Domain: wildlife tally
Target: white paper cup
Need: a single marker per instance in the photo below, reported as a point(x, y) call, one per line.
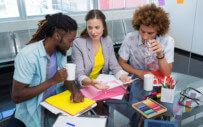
point(148, 82)
point(70, 68)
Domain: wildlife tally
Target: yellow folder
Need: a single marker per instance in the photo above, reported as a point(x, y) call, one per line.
point(62, 102)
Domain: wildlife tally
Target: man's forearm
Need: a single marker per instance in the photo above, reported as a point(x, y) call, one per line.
point(70, 85)
point(164, 67)
point(131, 70)
point(22, 92)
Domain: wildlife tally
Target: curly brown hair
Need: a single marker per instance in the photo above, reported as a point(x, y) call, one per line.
point(152, 16)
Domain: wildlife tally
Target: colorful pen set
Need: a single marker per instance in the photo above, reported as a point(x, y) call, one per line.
point(154, 96)
point(149, 108)
point(170, 84)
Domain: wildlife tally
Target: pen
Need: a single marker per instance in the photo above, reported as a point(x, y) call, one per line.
point(70, 124)
point(130, 81)
point(170, 82)
point(175, 84)
point(161, 83)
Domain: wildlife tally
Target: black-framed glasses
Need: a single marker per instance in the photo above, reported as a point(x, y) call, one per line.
point(184, 96)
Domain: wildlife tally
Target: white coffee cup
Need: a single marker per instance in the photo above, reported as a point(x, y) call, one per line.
point(70, 68)
point(148, 82)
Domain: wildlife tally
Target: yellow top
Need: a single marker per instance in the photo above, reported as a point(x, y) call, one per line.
point(99, 63)
point(62, 102)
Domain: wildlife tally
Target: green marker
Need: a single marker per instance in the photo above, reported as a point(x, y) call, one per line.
point(149, 111)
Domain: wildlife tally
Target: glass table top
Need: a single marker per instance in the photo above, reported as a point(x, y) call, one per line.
point(175, 112)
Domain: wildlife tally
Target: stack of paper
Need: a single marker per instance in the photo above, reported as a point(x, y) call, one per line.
point(64, 121)
point(61, 104)
point(109, 80)
point(97, 95)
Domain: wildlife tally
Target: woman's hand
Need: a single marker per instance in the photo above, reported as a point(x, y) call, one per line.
point(95, 83)
point(98, 85)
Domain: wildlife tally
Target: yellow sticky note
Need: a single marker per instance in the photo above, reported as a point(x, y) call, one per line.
point(187, 109)
point(179, 1)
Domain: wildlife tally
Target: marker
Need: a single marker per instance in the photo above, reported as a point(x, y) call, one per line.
point(175, 84)
point(161, 82)
point(70, 124)
point(165, 80)
point(153, 96)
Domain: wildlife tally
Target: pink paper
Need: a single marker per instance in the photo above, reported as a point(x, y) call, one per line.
point(188, 103)
point(90, 92)
point(135, 3)
point(106, 94)
point(161, 2)
point(175, 109)
point(179, 104)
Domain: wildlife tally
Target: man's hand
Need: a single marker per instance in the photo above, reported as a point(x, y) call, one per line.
point(77, 97)
point(124, 78)
point(155, 47)
point(98, 85)
point(60, 76)
point(141, 75)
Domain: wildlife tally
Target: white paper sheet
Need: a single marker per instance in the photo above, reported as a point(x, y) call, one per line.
point(58, 111)
point(111, 80)
point(65, 121)
point(120, 97)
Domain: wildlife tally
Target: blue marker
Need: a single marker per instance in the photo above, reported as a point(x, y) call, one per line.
point(70, 124)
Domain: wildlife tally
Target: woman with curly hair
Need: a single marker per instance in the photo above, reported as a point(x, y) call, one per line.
point(151, 24)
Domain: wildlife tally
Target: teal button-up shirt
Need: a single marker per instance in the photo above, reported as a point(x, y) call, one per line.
point(30, 68)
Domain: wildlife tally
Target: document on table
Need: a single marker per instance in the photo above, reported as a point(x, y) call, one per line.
point(61, 103)
point(58, 111)
point(65, 121)
point(111, 81)
point(116, 90)
point(97, 95)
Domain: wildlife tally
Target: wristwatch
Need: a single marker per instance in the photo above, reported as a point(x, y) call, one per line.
point(160, 57)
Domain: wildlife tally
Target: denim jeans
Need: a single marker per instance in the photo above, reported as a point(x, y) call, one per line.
point(13, 122)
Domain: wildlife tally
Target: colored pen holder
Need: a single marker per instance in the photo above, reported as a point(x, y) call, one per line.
point(167, 94)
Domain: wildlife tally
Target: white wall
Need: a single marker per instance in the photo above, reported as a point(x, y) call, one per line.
point(197, 45)
point(183, 20)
